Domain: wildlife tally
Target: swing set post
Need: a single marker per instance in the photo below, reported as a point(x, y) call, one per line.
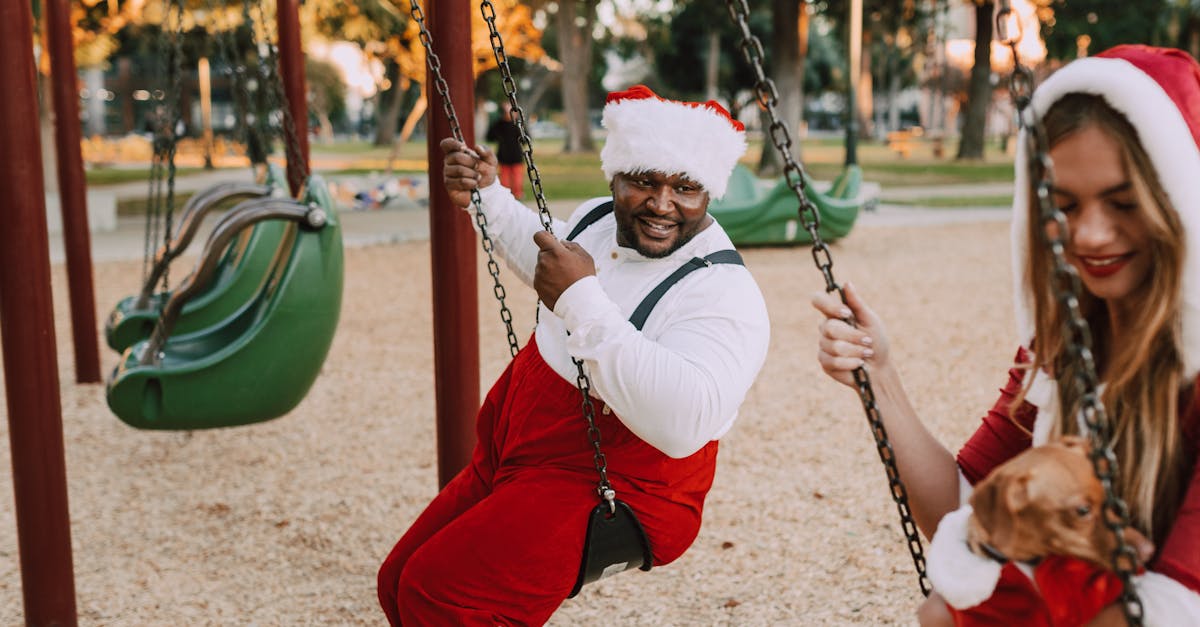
point(72, 191)
point(291, 68)
point(27, 334)
point(452, 249)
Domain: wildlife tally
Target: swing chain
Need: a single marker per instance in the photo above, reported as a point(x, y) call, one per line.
point(176, 116)
point(1066, 287)
point(443, 90)
point(289, 134)
point(518, 114)
point(604, 488)
point(768, 97)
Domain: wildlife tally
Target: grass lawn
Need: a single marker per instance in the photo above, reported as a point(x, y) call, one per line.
point(572, 176)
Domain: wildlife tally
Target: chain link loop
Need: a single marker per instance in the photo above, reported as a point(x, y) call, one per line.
point(768, 97)
point(1066, 286)
point(443, 90)
point(274, 84)
point(604, 488)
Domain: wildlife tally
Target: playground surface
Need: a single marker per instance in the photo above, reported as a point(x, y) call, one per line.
point(284, 523)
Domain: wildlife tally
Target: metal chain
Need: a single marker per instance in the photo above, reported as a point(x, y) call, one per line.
point(235, 73)
point(768, 97)
point(604, 488)
point(1066, 287)
point(443, 90)
point(290, 136)
point(176, 117)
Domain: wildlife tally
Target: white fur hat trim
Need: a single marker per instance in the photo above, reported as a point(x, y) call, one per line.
point(649, 134)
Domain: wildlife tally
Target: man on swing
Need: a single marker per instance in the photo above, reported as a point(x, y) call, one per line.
point(502, 542)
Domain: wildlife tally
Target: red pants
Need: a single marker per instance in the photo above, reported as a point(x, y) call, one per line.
point(512, 176)
point(502, 542)
point(1070, 592)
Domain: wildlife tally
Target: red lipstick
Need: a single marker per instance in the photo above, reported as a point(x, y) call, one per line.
point(1106, 266)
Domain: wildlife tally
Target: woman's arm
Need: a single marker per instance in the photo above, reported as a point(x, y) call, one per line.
point(927, 468)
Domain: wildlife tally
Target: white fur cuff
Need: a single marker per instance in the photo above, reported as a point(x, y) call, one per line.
point(963, 578)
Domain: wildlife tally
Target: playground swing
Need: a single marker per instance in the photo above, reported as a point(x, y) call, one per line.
point(756, 212)
point(615, 540)
point(259, 361)
point(244, 264)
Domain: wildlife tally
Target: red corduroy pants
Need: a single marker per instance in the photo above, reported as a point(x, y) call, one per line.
point(501, 544)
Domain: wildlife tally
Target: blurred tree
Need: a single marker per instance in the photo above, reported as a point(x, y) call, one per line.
point(1105, 24)
point(326, 95)
point(574, 21)
point(979, 89)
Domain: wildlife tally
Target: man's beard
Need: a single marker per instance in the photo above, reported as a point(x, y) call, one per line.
point(628, 234)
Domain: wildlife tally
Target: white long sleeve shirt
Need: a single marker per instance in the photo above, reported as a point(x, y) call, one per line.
point(677, 383)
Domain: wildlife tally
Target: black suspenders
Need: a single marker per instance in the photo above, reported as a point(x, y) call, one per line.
point(695, 263)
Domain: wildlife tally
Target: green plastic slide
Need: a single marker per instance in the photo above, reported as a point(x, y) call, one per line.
point(758, 212)
point(260, 361)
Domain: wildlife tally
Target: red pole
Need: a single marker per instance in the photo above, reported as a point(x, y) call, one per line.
point(291, 68)
point(27, 333)
point(71, 191)
point(452, 248)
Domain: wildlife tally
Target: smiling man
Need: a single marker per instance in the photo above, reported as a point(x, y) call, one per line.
point(646, 289)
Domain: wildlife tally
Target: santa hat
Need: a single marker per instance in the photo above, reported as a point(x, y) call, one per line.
point(647, 133)
point(1158, 91)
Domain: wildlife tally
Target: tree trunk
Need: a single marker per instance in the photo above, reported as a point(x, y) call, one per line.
point(712, 65)
point(866, 91)
point(789, 46)
point(893, 92)
point(979, 93)
point(390, 102)
point(575, 49)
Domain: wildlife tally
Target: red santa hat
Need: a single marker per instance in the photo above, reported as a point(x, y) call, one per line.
point(647, 133)
point(1158, 91)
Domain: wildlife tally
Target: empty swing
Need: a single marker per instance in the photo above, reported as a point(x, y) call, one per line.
point(258, 361)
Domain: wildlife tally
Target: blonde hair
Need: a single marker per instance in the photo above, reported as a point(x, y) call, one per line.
point(1143, 375)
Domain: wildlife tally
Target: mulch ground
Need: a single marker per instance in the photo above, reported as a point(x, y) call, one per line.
point(284, 523)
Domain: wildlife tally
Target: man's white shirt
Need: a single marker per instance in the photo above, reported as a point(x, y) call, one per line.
point(677, 383)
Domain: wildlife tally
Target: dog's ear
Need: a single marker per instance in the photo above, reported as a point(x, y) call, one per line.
point(983, 501)
point(1017, 492)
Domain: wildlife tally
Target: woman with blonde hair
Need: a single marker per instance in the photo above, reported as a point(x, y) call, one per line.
point(1124, 135)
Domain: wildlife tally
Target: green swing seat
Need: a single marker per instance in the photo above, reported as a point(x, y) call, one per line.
point(758, 212)
point(260, 361)
point(238, 276)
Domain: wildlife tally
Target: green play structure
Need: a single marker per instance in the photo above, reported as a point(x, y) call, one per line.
point(238, 276)
point(259, 362)
point(764, 212)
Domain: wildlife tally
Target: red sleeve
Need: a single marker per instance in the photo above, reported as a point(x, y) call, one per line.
point(1179, 558)
point(999, 438)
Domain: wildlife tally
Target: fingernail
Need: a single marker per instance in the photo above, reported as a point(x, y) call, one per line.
point(867, 341)
point(861, 364)
point(868, 353)
point(844, 312)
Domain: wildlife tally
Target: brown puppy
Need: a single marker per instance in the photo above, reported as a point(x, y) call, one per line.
point(1044, 501)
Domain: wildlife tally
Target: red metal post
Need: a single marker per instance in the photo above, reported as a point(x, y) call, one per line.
point(452, 247)
point(72, 191)
point(291, 68)
point(27, 333)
